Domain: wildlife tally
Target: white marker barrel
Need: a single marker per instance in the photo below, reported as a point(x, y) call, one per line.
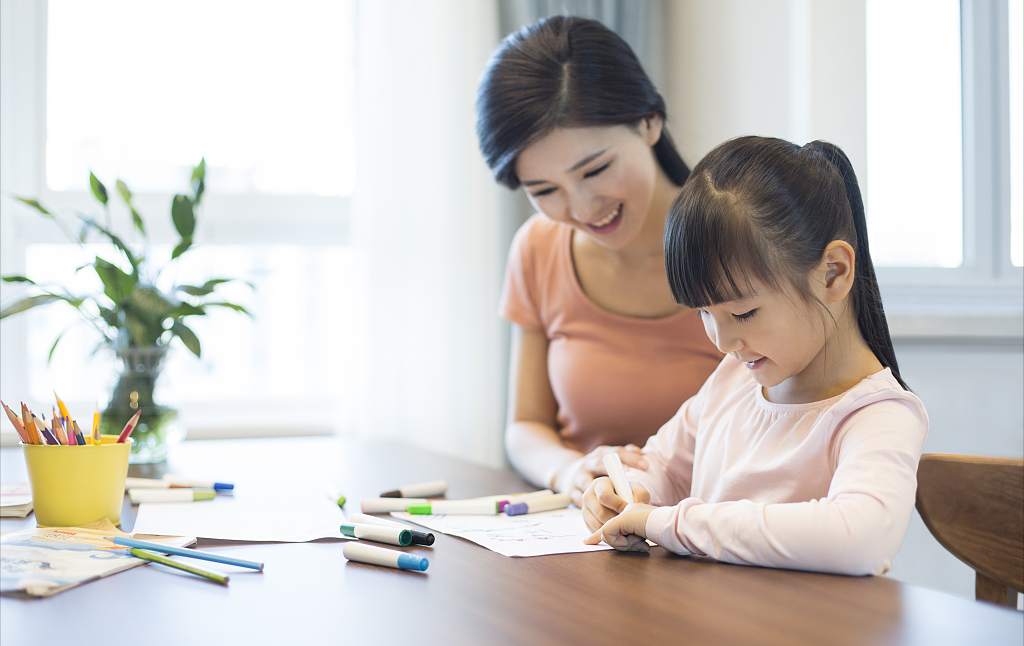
point(175, 481)
point(139, 496)
point(457, 507)
point(363, 553)
point(145, 483)
point(393, 535)
point(613, 465)
point(421, 490)
point(388, 505)
point(557, 501)
point(418, 537)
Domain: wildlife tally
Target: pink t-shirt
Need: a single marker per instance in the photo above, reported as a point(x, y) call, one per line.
point(826, 486)
point(616, 378)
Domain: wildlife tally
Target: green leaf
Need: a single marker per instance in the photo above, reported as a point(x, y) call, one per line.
point(233, 306)
point(122, 189)
point(26, 304)
point(132, 260)
point(150, 300)
point(187, 336)
point(36, 205)
point(18, 279)
point(198, 181)
point(137, 219)
point(49, 357)
point(181, 248)
point(110, 317)
point(187, 309)
point(183, 215)
point(117, 285)
point(98, 189)
point(207, 288)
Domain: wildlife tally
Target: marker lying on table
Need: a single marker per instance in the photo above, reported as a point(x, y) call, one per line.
point(182, 551)
point(139, 496)
point(421, 490)
point(363, 553)
point(523, 497)
point(163, 560)
point(464, 507)
point(393, 535)
point(555, 501)
point(175, 481)
point(388, 505)
point(613, 465)
point(418, 537)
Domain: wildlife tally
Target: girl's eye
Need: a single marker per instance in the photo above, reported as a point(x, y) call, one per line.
point(745, 316)
point(596, 171)
point(543, 192)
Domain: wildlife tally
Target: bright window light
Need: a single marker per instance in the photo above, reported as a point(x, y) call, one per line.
point(914, 134)
point(142, 90)
point(1016, 134)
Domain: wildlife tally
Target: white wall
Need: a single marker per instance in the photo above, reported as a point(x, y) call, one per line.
point(796, 69)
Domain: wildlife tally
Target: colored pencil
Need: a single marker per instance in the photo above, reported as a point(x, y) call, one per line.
point(60, 405)
point(163, 560)
point(30, 426)
point(57, 429)
point(17, 424)
point(129, 427)
point(183, 551)
point(96, 425)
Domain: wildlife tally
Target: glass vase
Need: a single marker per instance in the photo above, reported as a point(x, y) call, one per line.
point(159, 427)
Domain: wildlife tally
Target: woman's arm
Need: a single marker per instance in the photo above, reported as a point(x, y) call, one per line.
point(534, 446)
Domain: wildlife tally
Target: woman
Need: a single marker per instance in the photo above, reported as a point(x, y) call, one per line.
point(601, 353)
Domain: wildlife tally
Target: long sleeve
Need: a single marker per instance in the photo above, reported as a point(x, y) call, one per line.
point(855, 529)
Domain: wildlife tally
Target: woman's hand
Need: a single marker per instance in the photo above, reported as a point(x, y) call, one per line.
point(577, 476)
point(627, 531)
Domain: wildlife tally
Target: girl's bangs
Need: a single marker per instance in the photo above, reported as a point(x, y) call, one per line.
point(712, 252)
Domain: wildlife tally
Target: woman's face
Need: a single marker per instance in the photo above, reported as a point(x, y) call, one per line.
point(599, 180)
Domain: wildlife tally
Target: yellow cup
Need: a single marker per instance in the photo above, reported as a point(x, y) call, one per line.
point(76, 485)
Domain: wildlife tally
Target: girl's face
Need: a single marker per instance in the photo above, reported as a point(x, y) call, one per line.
point(778, 336)
point(600, 180)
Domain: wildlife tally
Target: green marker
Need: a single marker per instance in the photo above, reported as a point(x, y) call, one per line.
point(170, 495)
point(393, 535)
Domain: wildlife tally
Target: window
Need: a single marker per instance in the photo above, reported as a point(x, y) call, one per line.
point(262, 90)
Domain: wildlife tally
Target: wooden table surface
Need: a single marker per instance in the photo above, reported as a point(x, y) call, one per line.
point(309, 593)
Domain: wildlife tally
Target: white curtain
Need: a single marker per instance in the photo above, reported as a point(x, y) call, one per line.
point(426, 216)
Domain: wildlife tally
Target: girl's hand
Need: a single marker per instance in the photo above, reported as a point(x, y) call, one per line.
point(581, 473)
point(601, 503)
point(627, 531)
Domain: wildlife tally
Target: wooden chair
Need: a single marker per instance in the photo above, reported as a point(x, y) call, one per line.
point(974, 507)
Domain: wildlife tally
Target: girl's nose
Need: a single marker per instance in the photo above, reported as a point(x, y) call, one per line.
point(581, 206)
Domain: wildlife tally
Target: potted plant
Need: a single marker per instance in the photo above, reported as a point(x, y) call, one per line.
point(136, 319)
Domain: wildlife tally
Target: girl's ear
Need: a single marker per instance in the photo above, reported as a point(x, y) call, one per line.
point(838, 264)
point(650, 128)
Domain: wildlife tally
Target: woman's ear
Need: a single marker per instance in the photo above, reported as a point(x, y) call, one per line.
point(650, 128)
point(838, 264)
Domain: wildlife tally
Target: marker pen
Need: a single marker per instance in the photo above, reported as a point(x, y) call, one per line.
point(175, 481)
point(465, 507)
point(145, 483)
point(613, 465)
point(555, 501)
point(388, 505)
point(421, 490)
point(363, 553)
point(394, 535)
point(523, 497)
point(418, 537)
point(169, 495)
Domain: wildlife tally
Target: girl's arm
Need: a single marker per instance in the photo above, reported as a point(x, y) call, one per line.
point(855, 529)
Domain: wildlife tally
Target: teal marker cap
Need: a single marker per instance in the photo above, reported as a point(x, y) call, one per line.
point(348, 529)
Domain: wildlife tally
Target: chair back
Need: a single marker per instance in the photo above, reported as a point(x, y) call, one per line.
point(974, 507)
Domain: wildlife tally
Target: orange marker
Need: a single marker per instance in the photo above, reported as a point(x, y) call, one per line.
point(129, 427)
point(17, 424)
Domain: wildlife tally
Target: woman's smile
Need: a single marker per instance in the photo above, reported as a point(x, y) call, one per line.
point(607, 224)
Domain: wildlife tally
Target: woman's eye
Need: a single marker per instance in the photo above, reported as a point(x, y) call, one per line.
point(745, 316)
point(596, 171)
point(542, 193)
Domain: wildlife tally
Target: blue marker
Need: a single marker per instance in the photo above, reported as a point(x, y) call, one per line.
point(363, 553)
point(175, 481)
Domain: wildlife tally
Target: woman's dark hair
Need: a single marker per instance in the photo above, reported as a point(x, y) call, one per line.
point(766, 209)
point(564, 72)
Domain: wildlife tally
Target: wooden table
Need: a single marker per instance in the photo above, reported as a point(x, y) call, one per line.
point(309, 593)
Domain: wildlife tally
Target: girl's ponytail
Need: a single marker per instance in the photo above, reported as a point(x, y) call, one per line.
point(867, 300)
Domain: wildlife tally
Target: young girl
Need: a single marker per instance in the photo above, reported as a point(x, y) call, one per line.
point(801, 449)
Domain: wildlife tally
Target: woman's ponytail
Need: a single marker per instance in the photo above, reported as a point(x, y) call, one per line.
point(867, 300)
